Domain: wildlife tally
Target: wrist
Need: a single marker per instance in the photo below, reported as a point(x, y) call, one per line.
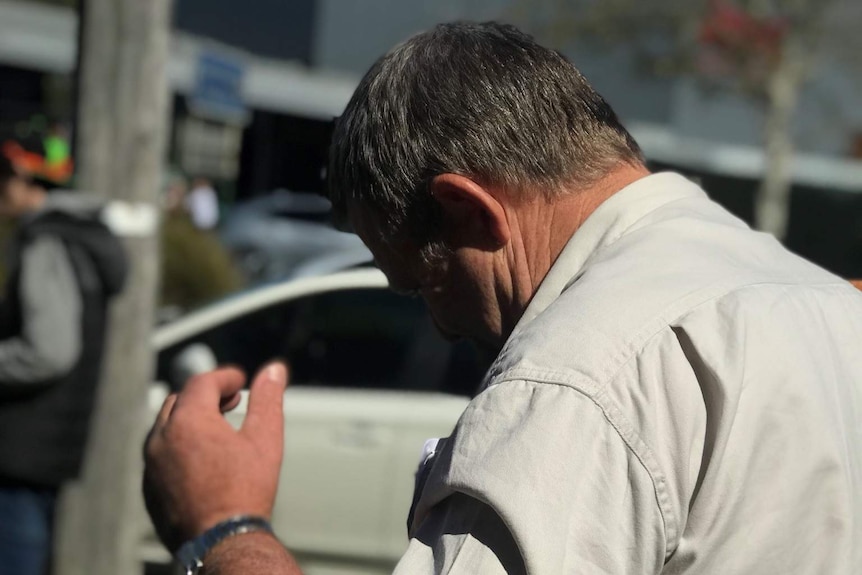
point(192, 553)
point(257, 552)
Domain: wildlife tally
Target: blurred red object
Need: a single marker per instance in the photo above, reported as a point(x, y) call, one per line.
point(736, 43)
point(730, 27)
point(34, 165)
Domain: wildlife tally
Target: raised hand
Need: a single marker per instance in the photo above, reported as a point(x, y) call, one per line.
point(200, 470)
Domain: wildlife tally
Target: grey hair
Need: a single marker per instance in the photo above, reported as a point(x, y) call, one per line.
point(480, 100)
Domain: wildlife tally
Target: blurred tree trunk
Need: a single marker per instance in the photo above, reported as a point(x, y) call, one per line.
point(785, 82)
point(121, 137)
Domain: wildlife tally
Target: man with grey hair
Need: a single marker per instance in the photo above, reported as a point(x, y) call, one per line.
point(673, 392)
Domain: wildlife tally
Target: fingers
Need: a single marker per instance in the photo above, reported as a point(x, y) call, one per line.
point(264, 420)
point(165, 411)
point(230, 403)
point(208, 391)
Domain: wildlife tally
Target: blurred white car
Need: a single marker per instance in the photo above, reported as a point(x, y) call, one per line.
point(371, 380)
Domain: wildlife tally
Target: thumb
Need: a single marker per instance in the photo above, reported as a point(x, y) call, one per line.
point(264, 420)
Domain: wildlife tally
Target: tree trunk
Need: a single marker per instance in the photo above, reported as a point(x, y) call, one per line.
point(772, 202)
point(121, 137)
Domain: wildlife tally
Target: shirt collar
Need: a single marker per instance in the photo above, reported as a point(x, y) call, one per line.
point(605, 225)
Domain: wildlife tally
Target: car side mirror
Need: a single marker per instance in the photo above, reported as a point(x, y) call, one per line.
point(193, 360)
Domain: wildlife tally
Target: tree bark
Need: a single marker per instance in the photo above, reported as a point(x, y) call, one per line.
point(121, 139)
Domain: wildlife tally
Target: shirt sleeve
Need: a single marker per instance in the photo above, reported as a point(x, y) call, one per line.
point(49, 344)
point(549, 461)
point(462, 536)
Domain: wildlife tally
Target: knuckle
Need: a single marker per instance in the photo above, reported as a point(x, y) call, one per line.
point(204, 379)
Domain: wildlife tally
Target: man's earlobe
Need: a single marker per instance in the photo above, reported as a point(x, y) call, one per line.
point(469, 207)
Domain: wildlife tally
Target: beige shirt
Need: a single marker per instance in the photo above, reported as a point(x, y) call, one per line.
point(682, 395)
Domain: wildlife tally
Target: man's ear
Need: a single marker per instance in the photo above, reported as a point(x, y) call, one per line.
point(470, 212)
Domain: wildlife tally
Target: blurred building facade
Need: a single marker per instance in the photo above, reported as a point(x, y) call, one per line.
point(257, 83)
point(249, 111)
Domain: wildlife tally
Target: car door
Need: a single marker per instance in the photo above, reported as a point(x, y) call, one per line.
point(372, 369)
point(368, 382)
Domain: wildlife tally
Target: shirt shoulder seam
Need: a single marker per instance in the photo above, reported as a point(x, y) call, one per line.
point(633, 442)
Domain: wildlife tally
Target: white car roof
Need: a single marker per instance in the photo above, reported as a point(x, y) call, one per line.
point(248, 302)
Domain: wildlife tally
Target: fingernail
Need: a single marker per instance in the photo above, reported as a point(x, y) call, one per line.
point(276, 372)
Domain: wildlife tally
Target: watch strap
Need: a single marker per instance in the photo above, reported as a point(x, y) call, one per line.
point(191, 554)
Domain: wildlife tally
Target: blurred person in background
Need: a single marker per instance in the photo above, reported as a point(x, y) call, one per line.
point(673, 391)
point(175, 193)
point(57, 146)
point(66, 266)
point(202, 204)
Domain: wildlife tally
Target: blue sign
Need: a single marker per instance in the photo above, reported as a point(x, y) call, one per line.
point(217, 93)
